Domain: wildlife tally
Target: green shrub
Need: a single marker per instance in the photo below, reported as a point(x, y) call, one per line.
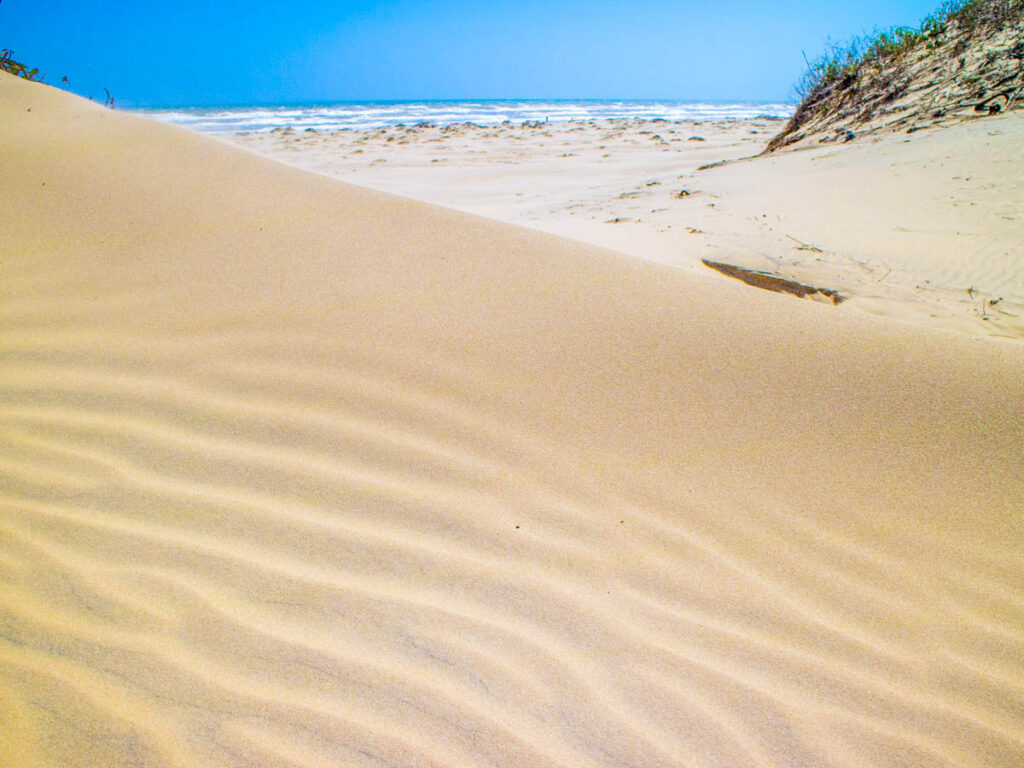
point(7, 64)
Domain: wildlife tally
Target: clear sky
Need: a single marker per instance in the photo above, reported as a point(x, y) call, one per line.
point(218, 52)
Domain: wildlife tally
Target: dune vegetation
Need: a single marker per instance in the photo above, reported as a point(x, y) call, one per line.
point(8, 64)
point(965, 58)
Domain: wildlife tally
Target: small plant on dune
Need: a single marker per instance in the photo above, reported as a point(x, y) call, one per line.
point(8, 64)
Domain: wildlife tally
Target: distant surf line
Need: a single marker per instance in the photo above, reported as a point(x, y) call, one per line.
point(383, 114)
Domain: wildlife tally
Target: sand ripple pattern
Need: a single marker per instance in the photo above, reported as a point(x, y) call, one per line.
point(194, 576)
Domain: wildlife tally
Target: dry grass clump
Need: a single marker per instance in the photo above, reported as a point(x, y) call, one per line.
point(973, 15)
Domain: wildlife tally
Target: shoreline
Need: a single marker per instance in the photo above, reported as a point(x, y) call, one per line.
point(442, 113)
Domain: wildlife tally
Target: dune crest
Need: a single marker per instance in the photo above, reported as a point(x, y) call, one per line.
point(300, 474)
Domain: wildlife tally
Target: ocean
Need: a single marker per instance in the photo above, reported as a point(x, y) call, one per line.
point(380, 114)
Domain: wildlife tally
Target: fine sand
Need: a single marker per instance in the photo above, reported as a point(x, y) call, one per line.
point(295, 473)
point(926, 227)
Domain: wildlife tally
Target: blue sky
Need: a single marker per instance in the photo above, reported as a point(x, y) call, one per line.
point(205, 52)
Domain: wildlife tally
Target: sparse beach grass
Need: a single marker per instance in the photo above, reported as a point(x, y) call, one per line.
point(962, 60)
point(842, 62)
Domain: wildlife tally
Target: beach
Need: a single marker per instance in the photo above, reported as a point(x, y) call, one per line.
point(436, 469)
point(923, 227)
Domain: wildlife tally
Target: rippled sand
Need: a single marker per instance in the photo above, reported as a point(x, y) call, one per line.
point(298, 474)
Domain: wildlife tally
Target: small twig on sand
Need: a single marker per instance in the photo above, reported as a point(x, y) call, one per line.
point(774, 283)
point(802, 246)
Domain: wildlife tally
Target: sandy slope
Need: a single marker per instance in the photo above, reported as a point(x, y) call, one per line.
point(299, 474)
point(925, 228)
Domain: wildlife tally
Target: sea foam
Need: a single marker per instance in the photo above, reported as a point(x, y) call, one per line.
point(364, 115)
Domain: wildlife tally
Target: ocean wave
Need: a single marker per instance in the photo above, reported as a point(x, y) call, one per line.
point(369, 115)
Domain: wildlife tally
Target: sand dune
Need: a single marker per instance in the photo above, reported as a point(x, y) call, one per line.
point(925, 229)
point(300, 474)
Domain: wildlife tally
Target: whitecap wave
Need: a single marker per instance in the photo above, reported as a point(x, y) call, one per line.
point(369, 115)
